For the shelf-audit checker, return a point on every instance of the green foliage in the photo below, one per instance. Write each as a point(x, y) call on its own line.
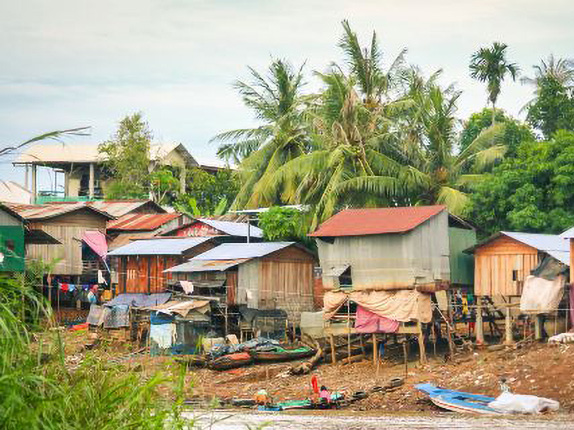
point(128, 158)
point(39, 391)
point(532, 192)
point(164, 185)
point(514, 132)
point(208, 194)
point(553, 108)
point(281, 224)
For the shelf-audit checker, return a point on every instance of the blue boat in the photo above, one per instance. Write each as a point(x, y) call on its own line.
point(458, 401)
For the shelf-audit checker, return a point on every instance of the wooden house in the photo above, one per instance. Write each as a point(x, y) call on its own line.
point(504, 260)
point(15, 234)
point(68, 225)
point(265, 276)
point(139, 266)
point(393, 248)
point(228, 231)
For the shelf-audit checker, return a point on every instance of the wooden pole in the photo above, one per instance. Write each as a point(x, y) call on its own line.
point(508, 327)
point(375, 349)
point(406, 356)
point(421, 339)
point(479, 329)
point(538, 327)
point(434, 339)
point(349, 330)
point(333, 352)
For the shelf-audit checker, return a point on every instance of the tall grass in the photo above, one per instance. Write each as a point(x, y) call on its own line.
point(38, 391)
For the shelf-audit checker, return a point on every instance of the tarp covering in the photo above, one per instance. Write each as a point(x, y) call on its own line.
point(509, 403)
point(369, 322)
point(139, 300)
point(401, 305)
point(97, 241)
point(540, 295)
point(181, 308)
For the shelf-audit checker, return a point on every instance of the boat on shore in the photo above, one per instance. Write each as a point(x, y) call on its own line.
point(282, 354)
point(458, 401)
point(231, 361)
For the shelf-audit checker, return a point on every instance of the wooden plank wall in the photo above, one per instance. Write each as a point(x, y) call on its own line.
point(144, 274)
point(68, 229)
point(495, 263)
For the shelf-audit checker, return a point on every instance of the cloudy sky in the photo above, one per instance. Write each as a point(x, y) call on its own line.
point(71, 63)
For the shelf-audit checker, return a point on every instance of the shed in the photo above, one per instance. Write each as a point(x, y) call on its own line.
point(233, 231)
point(268, 275)
point(504, 260)
point(142, 226)
point(67, 224)
point(139, 266)
point(392, 248)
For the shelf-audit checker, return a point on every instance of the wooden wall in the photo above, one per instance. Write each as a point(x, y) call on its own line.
point(68, 229)
point(495, 262)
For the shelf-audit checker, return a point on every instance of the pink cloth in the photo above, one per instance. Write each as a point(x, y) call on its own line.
point(97, 241)
point(368, 322)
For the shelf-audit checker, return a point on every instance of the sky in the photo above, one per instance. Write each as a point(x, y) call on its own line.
point(72, 63)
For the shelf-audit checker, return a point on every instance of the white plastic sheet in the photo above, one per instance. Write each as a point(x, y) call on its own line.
point(523, 404)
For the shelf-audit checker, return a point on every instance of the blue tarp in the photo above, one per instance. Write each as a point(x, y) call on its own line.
point(139, 300)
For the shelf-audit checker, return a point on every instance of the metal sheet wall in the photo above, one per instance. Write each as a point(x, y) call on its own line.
point(391, 261)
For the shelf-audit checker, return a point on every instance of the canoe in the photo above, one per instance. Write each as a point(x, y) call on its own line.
point(231, 361)
point(302, 404)
point(458, 401)
point(282, 354)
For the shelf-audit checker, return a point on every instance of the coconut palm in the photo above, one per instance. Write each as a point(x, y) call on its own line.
point(275, 100)
point(491, 66)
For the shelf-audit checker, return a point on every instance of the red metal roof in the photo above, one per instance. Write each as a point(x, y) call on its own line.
point(136, 221)
point(360, 222)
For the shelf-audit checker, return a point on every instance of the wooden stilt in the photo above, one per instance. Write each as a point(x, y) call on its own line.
point(479, 329)
point(434, 339)
point(538, 327)
point(406, 356)
point(333, 352)
point(349, 331)
point(508, 327)
point(375, 349)
point(421, 339)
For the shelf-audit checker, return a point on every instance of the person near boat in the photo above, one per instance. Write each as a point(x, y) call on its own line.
point(262, 398)
point(324, 395)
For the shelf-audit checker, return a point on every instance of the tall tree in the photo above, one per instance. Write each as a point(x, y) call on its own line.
point(491, 66)
point(127, 156)
point(552, 107)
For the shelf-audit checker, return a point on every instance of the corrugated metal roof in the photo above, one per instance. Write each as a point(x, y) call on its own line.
point(166, 246)
point(136, 221)
point(550, 243)
point(206, 265)
point(233, 228)
point(568, 234)
point(39, 212)
point(13, 192)
point(45, 153)
point(234, 251)
point(118, 208)
point(360, 222)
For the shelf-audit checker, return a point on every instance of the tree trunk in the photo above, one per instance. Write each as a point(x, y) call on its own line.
point(493, 113)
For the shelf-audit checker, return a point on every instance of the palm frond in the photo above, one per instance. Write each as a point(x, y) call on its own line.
point(454, 199)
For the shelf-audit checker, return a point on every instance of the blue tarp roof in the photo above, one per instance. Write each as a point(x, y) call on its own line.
point(167, 246)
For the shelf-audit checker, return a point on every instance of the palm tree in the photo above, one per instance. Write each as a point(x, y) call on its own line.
point(491, 66)
point(275, 100)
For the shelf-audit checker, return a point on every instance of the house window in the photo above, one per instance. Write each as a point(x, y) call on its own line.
point(9, 245)
point(515, 275)
point(345, 279)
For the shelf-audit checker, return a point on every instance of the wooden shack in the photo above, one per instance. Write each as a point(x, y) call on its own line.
point(67, 224)
point(504, 260)
point(266, 276)
point(139, 267)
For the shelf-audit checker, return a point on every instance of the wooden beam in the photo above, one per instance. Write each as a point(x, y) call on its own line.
point(333, 351)
point(421, 339)
point(508, 326)
point(91, 185)
point(479, 329)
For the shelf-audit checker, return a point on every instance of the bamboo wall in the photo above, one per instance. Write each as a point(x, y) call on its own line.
point(495, 262)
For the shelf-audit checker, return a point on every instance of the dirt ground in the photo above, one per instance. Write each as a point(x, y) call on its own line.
point(537, 369)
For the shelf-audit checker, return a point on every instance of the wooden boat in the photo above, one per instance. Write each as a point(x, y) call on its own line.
point(302, 404)
point(231, 361)
point(282, 354)
point(458, 401)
